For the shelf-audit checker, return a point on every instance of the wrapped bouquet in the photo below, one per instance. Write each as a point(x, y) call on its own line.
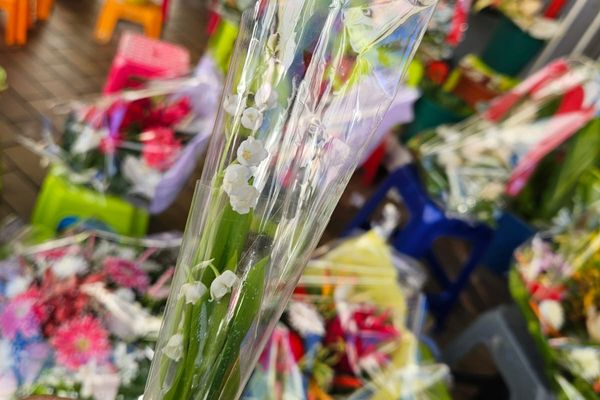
point(557, 284)
point(79, 315)
point(308, 85)
point(346, 333)
point(142, 144)
point(474, 165)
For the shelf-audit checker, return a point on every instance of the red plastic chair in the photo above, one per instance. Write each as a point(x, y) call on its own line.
point(141, 57)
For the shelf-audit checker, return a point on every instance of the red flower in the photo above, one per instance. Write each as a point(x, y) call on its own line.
point(168, 115)
point(542, 292)
point(160, 147)
point(81, 341)
point(366, 331)
point(174, 113)
point(126, 273)
point(61, 300)
point(136, 114)
point(296, 346)
point(437, 72)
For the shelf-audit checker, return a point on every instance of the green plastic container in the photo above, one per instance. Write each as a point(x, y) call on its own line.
point(60, 201)
point(510, 49)
point(429, 115)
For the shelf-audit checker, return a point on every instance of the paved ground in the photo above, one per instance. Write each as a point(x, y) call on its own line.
point(62, 61)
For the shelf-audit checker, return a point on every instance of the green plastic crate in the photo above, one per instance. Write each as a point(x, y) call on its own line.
point(60, 201)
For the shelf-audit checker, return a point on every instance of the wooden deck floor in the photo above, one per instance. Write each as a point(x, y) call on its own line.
point(61, 61)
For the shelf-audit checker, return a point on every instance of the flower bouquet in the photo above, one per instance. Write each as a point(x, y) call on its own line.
point(341, 337)
point(473, 166)
point(79, 315)
point(141, 144)
point(308, 84)
point(446, 29)
point(557, 285)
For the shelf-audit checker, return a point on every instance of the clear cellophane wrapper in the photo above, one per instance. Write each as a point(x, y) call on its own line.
point(140, 144)
point(351, 331)
point(79, 315)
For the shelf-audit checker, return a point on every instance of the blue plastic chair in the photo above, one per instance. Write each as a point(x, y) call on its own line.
point(428, 222)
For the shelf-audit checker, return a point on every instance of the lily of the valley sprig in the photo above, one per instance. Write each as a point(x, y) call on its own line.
point(250, 153)
point(272, 177)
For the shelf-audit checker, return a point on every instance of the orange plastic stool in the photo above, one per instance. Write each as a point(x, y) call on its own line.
point(149, 15)
point(43, 9)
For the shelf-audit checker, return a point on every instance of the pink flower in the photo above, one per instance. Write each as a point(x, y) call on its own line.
point(80, 341)
point(53, 254)
point(160, 147)
point(109, 144)
point(21, 315)
point(126, 273)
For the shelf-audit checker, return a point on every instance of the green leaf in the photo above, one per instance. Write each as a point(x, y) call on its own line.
point(582, 154)
point(247, 309)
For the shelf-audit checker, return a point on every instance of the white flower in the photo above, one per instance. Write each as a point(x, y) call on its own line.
point(552, 314)
point(125, 294)
point(222, 284)
point(244, 199)
point(236, 176)
point(265, 97)
point(126, 362)
point(252, 118)
point(17, 285)
point(192, 292)
point(251, 152)
point(174, 347)
point(586, 361)
point(88, 139)
point(449, 159)
point(231, 103)
point(143, 178)
point(68, 266)
point(305, 319)
point(127, 320)
point(98, 384)
point(492, 191)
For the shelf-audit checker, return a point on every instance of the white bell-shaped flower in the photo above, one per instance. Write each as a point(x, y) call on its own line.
point(251, 152)
point(223, 284)
point(231, 103)
point(265, 97)
point(192, 292)
point(252, 118)
point(174, 347)
point(236, 177)
point(244, 199)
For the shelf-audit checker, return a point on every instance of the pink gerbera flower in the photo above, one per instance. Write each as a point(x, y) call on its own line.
point(80, 341)
point(21, 315)
point(126, 273)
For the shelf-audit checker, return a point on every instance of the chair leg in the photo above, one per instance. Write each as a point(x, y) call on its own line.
point(11, 26)
point(22, 24)
point(43, 9)
point(106, 22)
point(153, 25)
